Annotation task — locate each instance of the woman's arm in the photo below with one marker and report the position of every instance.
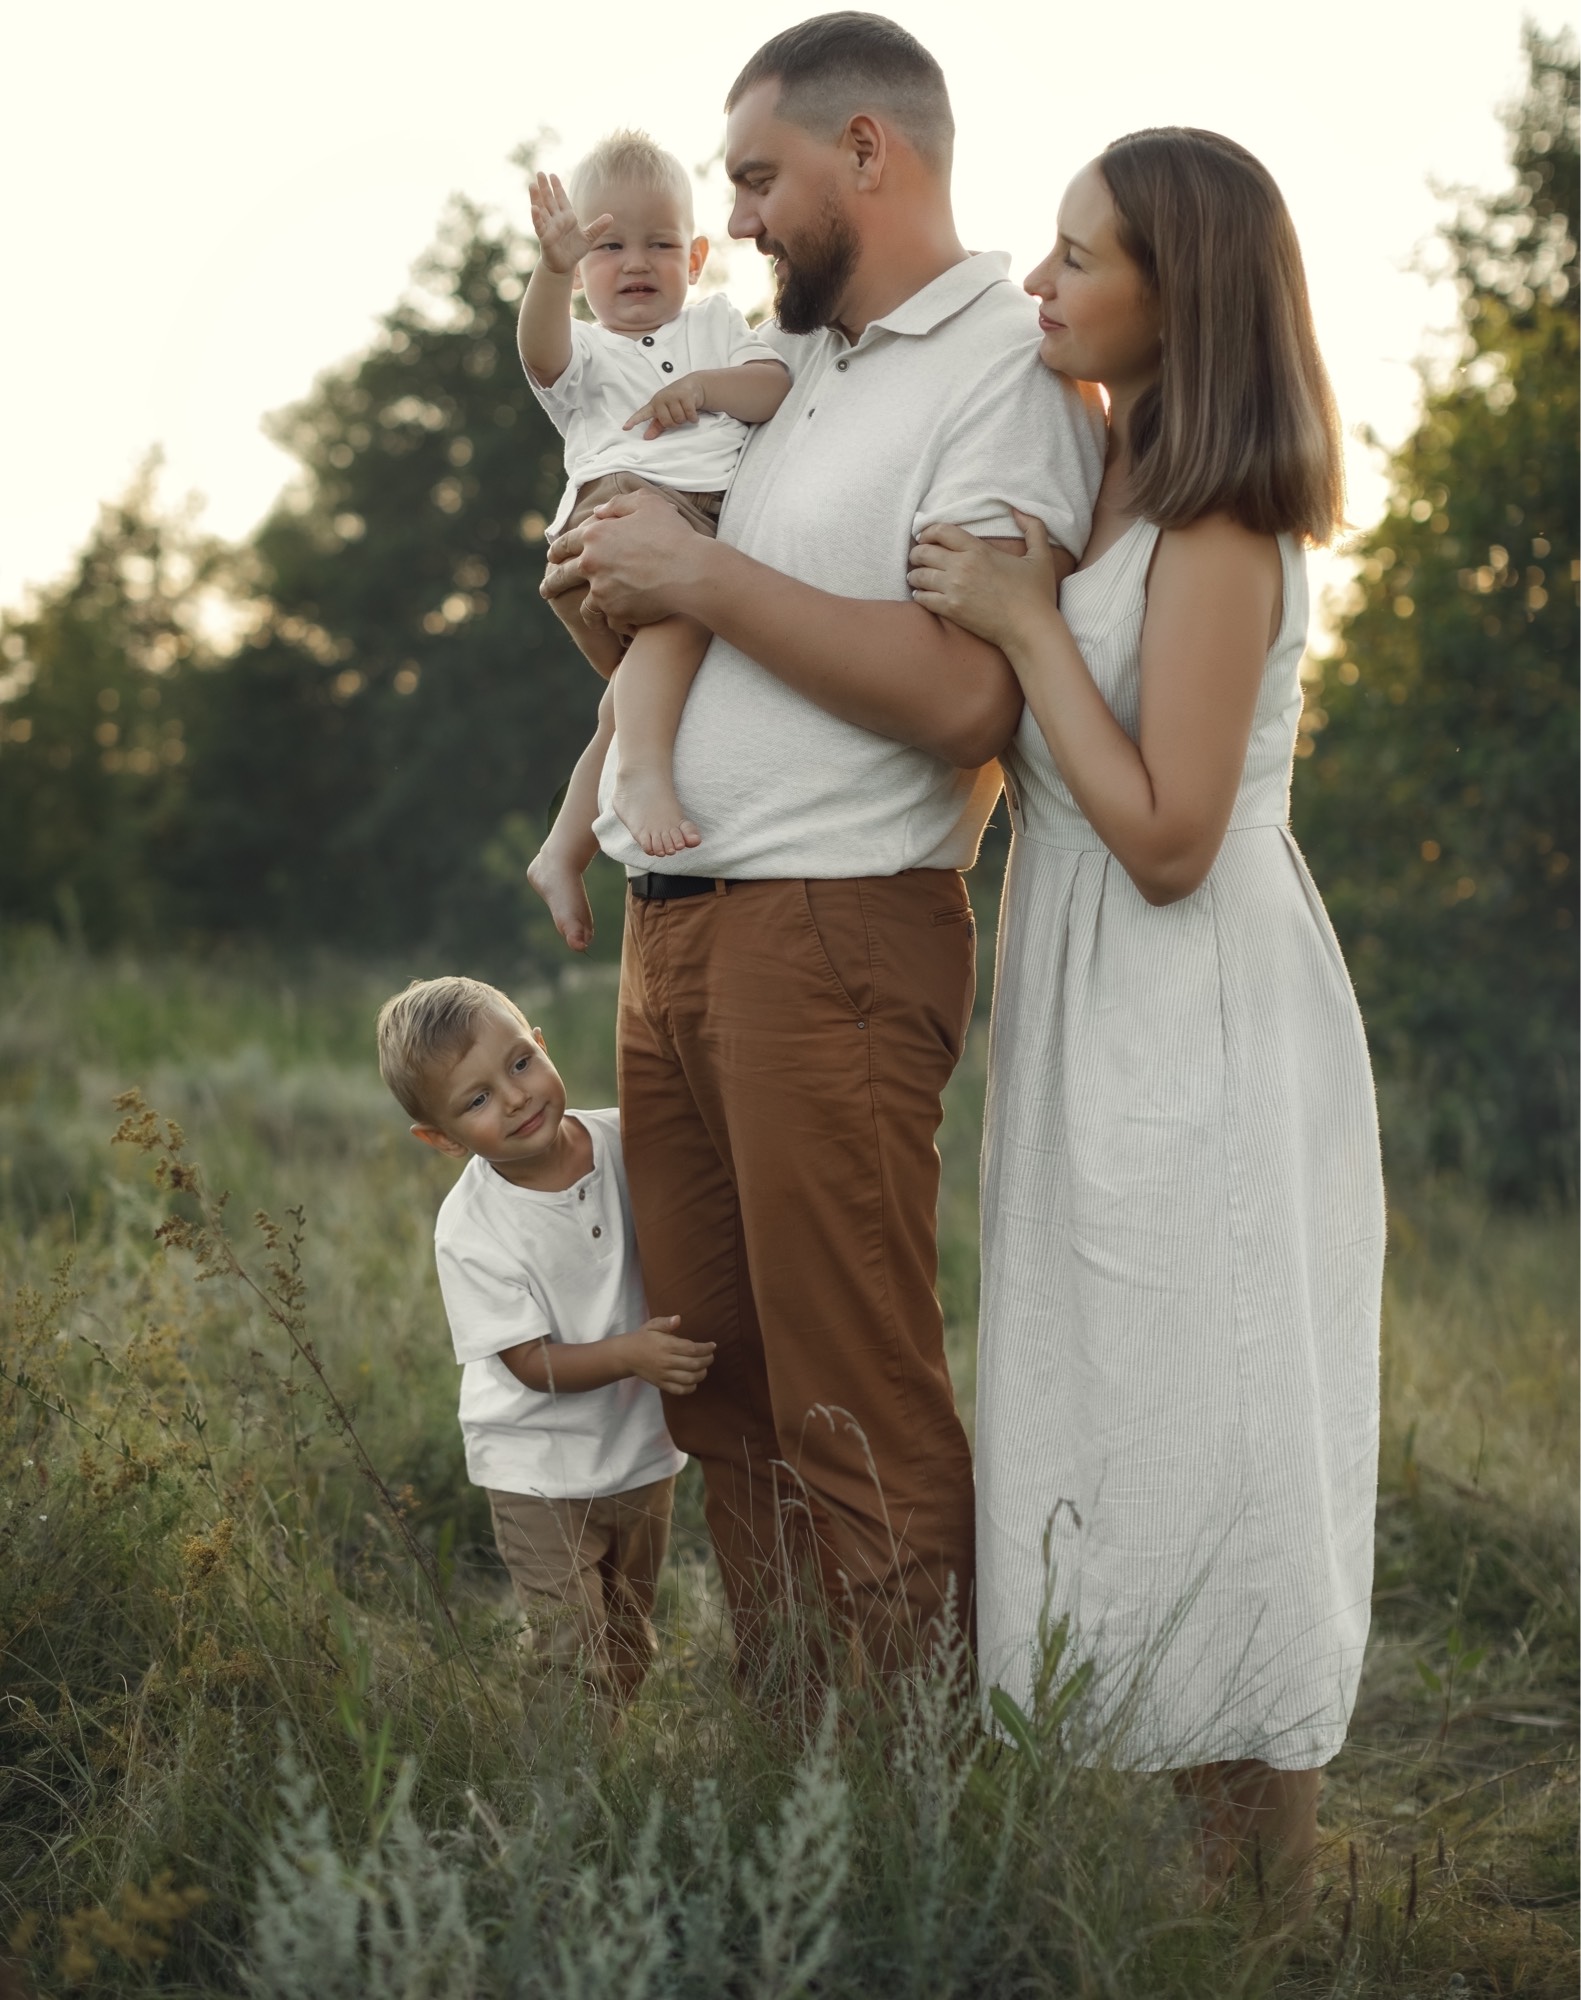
(1160, 805)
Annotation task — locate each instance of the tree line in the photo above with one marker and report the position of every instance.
(348, 731)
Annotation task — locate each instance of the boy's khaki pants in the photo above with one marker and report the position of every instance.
(783, 1047)
(585, 1573)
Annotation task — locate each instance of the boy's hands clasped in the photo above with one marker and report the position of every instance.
(658, 1355)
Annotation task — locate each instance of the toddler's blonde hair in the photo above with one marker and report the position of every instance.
(632, 159)
(431, 1019)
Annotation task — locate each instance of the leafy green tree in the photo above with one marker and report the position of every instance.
(94, 719)
(374, 766)
(1436, 797)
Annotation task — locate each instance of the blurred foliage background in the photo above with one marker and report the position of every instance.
(346, 733)
(1436, 792)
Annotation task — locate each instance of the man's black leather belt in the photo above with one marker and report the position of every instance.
(665, 888)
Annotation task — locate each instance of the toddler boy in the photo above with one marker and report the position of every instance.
(653, 393)
(560, 1364)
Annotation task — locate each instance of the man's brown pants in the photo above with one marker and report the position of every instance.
(783, 1049)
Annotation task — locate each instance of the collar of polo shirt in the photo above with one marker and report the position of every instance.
(944, 297)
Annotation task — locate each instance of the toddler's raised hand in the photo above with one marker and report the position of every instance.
(562, 241)
(661, 1357)
(679, 402)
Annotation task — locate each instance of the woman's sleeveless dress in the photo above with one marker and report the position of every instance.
(1182, 1259)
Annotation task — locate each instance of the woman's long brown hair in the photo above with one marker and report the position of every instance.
(1241, 419)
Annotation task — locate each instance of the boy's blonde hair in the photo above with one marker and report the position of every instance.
(431, 1019)
(632, 158)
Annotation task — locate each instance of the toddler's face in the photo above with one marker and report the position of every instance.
(637, 273)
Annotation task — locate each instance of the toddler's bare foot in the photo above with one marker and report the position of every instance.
(559, 881)
(647, 807)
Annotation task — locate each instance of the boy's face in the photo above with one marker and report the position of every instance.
(636, 275)
(500, 1097)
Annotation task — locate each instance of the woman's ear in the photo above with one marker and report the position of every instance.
(696, 259)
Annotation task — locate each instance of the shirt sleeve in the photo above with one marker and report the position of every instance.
(1027, 439)
(736, 340)
(488, 1298)
(565, 394)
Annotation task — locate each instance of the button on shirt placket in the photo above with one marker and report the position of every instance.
(598, 1227)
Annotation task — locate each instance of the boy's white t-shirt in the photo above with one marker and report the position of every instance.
(515, 1265)
(611, 375)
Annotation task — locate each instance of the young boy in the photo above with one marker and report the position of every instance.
(560, 1364)
(653, 393)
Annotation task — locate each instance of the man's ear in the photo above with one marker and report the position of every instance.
(867, 146)
(697, 257)
(440, 1141)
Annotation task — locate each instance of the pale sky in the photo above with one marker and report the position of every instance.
(201, 206)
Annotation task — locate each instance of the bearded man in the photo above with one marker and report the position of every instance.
(796, 990)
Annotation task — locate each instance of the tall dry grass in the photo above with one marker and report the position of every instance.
(253, 1740)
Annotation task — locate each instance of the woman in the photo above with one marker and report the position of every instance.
(1182, 1204)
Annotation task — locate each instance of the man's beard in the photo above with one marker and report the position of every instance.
(818, 273)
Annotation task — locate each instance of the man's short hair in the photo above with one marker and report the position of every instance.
(631, 159)
(835, 65)
(432, 1019)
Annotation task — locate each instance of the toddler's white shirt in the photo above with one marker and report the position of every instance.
(611, 375)
(517, 1265)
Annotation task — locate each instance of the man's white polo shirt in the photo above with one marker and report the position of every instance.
(941, 411)
(517, 1265)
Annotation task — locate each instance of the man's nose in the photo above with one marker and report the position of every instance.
(744, 220)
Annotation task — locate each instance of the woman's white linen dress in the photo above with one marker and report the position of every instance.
(1182, 1258)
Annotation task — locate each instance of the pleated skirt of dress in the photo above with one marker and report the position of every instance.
(1182, 1256)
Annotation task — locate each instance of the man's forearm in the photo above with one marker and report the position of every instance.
(889, 667)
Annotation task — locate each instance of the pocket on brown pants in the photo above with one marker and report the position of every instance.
(838, 920)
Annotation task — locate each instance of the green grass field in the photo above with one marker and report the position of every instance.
(261, 1727)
